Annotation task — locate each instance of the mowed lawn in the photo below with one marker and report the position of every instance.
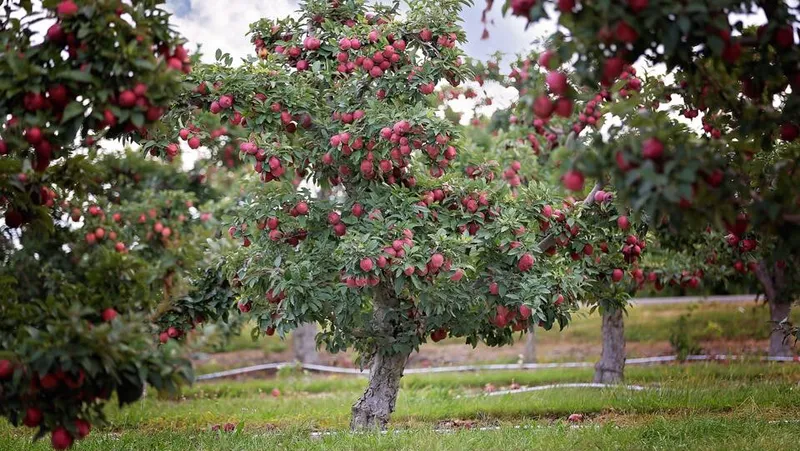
(688, 406)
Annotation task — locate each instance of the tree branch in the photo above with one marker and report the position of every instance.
(794, 219)
(550, 240)
(589, 200)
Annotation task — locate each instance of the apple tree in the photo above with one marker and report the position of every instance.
(530, 141)
(406, 250)
(78, 268)
(735, 169)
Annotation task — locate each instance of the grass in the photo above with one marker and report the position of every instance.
(700, 406)
(651, 323)
(694, 406)
(644, 324)
(709, 433)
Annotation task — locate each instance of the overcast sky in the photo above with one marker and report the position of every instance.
(223, 23)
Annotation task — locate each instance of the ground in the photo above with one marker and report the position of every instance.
(693, 406)
(740, 327)
(740, 405)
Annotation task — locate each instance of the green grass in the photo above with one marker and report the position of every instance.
(652, 323)
(693, 406)
(644, 324)
(715, 327)
(701, 406)
(668, 433)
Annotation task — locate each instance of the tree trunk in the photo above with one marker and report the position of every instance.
(610, 369)
(304, 344)
(373, 409)
(529, 353)
(780, 343)
(773, 280)
(375, 406)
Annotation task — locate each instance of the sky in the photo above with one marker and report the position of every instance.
(223, 23)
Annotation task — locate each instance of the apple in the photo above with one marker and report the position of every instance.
(557, 82)
(525, 262)
(109, 314)
(366, 264)
(60, 438)
(573, 180)
(82, 427)
(6, 369)
(302, 208)
(438, 335)
(652, 149)
(33, 417)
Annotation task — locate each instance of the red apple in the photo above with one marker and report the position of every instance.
(109, 314)
(60, 438)
(33, 417)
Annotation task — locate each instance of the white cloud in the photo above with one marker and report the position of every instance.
(223, 24)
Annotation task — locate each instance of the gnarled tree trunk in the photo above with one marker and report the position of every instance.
(780, 344)
(529, 353)
(304, 344)
(375, 406)
(773, 281)
(610, 369)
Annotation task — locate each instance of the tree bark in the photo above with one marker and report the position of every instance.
(375, 406)
(610, 369)
(529, 353)
(373, 409)
(773, 281)
(304, 344)
(780, 343)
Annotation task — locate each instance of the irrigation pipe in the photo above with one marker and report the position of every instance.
(495, 367)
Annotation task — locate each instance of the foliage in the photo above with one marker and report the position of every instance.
(121, 67)
(733, 171)
(680, 338)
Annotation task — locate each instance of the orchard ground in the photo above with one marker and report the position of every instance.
(717, 328)
(741, 405)
(692, 406)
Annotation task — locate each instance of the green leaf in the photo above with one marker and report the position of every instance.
(76, 75)
(128, 392)
(72, 110)
(716, 44)
(144, 64)
(684, 24)
(137, 119)
(671, 39)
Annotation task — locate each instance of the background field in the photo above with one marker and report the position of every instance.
(740, 327)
